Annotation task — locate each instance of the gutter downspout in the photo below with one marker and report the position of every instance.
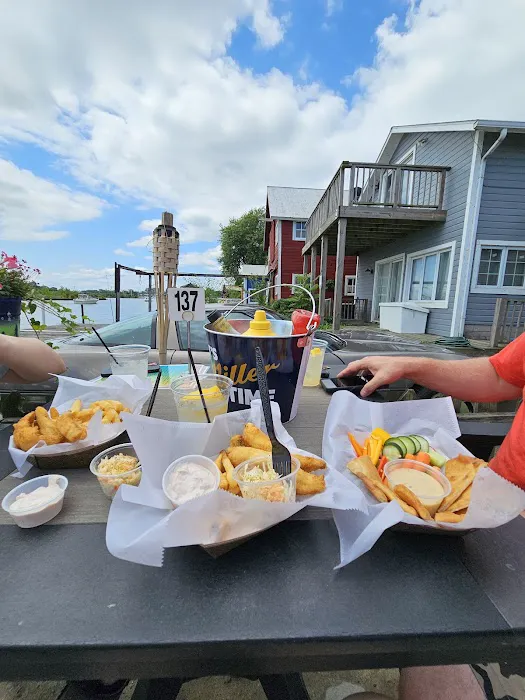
(468, 245)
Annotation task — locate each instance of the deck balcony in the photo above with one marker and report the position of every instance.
(367, 205)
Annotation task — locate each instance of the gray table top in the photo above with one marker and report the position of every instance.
(275, 604)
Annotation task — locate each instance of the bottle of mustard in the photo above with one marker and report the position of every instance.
(260, 326)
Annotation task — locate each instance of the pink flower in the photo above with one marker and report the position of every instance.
(1, 286)
(11, 262)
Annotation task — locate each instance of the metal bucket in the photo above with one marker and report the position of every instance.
(285, 358)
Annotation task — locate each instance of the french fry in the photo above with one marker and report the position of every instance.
(374, 489)
(53, 412)
(410, 498)
(448, 517)
(110, 416)
(224, 482)
(228, 468)
(218, 462)
(76, 406)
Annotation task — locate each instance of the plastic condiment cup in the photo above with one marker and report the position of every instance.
(429, 500)
(202, 461)
(216, 391)
(32, 517)
(110, 483)
(281, 490)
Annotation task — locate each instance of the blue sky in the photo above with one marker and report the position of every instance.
(107, 118)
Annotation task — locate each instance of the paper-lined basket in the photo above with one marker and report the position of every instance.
(128, 389)
(494, 500)
(141, 523)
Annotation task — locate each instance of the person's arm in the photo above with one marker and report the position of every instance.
(28, 359)
(469, 380)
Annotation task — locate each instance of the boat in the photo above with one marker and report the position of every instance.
(85, 299)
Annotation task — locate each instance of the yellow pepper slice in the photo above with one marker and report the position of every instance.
(381, 434)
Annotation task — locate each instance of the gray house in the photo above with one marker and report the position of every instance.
(437, 222)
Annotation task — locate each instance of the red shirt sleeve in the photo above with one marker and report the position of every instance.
(509, 363)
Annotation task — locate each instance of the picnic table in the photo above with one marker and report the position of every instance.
(270, 608)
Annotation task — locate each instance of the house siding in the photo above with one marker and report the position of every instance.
(501, 218)
(453, 149)
(292, 260)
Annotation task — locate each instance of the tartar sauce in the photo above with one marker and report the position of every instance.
(37, 499)
(189, 481)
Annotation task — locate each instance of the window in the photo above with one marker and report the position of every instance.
(350, 281)
(299, 230)
(499, 267)
(428, 275)
(297, 278)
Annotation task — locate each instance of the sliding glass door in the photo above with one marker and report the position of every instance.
(388, 283)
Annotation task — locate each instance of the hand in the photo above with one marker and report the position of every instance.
(385, 370)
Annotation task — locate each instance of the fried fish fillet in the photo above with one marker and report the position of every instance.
(240, 454)
(236, 441)
(71, 429)
(26, 437)
(309, 484)
(26, 421)
(253, 436)
(50, 433)
(310, 464)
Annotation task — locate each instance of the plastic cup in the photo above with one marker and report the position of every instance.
(130, 359)
(110, 483)
(32, 517)
(280, 490)
(216, 391)
(202, 461)
(429, 500)
(314, 367)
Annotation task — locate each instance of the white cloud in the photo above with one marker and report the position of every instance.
(332, 6)
(179, 125)
(148, 224)
(125, 253)
(195, 262)
(80, 277)
(31, 207)
(142, 242)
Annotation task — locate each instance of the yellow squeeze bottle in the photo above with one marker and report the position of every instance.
(260, 326)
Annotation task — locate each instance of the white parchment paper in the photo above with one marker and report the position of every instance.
(494, 500)
(132, 391)
(141, 523)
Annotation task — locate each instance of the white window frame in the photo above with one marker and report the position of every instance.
(353, 278)
(393, 258)
(294, 236)
(499, 288)
(295, 275)
(438, 304)
(408, 158)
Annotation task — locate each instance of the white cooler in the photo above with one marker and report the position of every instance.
(403, 317)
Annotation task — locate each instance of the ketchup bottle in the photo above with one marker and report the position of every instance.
(300, 319)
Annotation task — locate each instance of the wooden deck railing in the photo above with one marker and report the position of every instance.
(367, 185)
(509, 321)
(358, 310)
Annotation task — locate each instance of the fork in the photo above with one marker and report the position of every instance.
(281, 457)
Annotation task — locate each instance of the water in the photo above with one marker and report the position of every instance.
(103, 312)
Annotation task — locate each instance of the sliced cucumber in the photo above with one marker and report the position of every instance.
(425, 447)
(409, 444)
(398, 444)
(436, 459)
(417, 443)
(392, 451)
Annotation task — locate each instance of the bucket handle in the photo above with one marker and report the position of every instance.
(275, 286)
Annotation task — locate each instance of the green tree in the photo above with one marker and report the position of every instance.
(242, 241)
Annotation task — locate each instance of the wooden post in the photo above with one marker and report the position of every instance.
(322, 280)
(117, 292)
(441, 193)
(313, 268)
(149, 292)
(339, 274)
(306, 260)
(500, 313)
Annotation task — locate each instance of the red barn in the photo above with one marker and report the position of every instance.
(287, 211)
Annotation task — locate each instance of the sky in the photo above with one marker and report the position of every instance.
(112, 112)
